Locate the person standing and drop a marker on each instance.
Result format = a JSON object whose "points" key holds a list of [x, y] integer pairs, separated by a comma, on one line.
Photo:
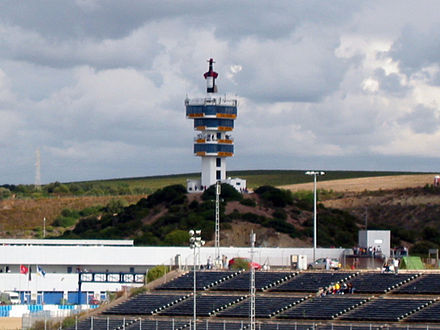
{"points": [[396, 265]]}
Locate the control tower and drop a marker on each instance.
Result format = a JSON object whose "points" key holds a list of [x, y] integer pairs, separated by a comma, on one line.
{"points": [[213, 118]]}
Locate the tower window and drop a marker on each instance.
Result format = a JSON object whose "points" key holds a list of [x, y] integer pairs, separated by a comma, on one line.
{"points": [[218, 162], [219, 136], [218, 175]]}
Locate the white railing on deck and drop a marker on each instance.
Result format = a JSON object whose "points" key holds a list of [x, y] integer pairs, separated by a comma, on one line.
{"points": [[211, 100]]}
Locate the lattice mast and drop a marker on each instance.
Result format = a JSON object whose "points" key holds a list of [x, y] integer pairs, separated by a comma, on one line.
{"points": [[214, 118], [252, 284]]}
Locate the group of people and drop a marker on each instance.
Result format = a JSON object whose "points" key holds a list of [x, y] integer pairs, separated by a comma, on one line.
{"points": [[391, 266], [370, 251], [336, 288]]}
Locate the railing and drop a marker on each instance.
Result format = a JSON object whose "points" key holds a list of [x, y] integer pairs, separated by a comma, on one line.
{"points": [[213, 138], [211, 100]]}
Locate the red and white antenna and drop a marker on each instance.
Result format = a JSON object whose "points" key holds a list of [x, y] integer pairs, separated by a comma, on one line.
{"points": [[210, 78]]}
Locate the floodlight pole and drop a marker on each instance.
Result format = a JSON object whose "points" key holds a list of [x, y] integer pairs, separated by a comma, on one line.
{"points": [[195, 242], [252, 284], [315, 174]]}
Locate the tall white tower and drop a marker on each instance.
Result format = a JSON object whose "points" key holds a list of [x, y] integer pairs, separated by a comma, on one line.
{"points": [[213, 118]]}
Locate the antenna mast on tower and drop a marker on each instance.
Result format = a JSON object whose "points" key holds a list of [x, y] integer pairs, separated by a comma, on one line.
{"points": [[37, 170]]}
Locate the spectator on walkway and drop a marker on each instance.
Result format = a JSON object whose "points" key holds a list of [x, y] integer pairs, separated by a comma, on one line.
{"points": [[396, 265]]}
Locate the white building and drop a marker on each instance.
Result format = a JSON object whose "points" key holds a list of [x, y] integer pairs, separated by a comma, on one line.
{"points": [[377, 240], [64, 260]]}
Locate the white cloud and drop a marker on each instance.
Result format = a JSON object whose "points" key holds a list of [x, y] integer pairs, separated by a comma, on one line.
{"points": [[99, 86]]}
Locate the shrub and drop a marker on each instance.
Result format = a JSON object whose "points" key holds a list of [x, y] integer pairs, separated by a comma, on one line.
{"points": [[280, 214], [65, 222], [171, 195], [136, 291], [248, 202], [4, 193], [116, 206], [228, 193], [240, 263], [156, 272], [276, 197], [70, 213], [422, 248], [177, 238]]}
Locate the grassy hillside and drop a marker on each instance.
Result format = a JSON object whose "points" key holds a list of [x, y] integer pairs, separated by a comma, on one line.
{"points": [[22, 208], [255, 178]]}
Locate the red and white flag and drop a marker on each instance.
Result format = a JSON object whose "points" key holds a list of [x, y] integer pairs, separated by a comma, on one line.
{"points": [[23, 269]]}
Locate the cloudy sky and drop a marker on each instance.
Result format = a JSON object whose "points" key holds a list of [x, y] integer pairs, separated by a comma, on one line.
{"points": [[99, 86]]}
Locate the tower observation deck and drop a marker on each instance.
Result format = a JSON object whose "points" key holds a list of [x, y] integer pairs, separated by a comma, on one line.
{"points": [[214, 118]]}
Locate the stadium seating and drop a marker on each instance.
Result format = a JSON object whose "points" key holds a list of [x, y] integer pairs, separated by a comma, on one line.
{"points": [[429, 314], [325, 308], [265, 307], [379, 282], [145, 304], [311, 282], [392, 310], [281, 302], [263, 281], [207, 305], [204, 280], [424, 284]]}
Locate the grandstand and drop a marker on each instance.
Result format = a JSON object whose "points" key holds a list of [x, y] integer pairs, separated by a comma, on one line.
{"points": [[285, 300]]}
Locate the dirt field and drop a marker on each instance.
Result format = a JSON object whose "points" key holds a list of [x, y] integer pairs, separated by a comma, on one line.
{"points": [[372, 183], [10, 323]]}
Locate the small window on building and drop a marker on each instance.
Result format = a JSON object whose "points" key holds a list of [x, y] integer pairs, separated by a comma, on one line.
{"points": [[69, 270], [219, 136], [218, 162], [219, 175], [131, 269]]}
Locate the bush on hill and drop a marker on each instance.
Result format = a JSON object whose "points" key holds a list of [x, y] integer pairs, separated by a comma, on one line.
{"points": [[248, 202], [170, 195], [228, 193], [274, 196]]}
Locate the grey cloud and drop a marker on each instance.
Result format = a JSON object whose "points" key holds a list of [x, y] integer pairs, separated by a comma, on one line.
{"points": [[390, 83], [115, 19], [416, 48], [422, 120], [99, 85]]}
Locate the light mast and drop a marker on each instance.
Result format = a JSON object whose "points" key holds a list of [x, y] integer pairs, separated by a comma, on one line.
{"points": [[213, 120]]}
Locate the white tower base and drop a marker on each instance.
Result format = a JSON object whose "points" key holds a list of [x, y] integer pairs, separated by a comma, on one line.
{"points": [[211, 172]]}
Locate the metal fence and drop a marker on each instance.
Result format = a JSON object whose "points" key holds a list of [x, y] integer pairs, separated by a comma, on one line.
{"points": [[47, 318], [209, 324]]}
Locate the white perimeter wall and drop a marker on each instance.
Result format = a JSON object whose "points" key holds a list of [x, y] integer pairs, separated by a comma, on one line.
{"points": [[123, 258], [56, 259]]}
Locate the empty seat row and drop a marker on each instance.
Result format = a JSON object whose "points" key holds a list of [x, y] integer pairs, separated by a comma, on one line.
{"points": [[424, 284], [325, 308], [206, 305], [379, 282], [204, 280], [265, 307], [383, 309], [145, 304], [263, 281]]}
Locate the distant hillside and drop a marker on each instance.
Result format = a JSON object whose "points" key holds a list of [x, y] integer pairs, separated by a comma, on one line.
{"points": [[345, 203], [412, 214], [165, 217]]}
